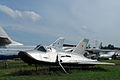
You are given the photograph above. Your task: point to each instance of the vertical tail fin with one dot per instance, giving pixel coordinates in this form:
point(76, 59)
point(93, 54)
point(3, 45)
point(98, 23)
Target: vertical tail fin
point(58, 43)
point(6, 40)
point(100, 46)
point(96, 43)
point(80, 48)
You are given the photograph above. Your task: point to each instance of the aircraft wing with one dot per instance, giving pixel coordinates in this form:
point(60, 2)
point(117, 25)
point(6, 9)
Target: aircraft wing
point(100, 50)
point(95, 62)
point(6, 40)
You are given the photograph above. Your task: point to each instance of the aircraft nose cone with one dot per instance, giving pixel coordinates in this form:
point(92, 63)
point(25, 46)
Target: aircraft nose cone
point(22, 54)
point(25, 57)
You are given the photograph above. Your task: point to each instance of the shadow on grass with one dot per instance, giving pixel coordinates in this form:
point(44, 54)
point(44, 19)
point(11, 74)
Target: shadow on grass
point(56, 71)
point(38, 72)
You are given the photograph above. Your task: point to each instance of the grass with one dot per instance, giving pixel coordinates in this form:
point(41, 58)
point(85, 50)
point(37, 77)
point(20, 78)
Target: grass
point(18, 70)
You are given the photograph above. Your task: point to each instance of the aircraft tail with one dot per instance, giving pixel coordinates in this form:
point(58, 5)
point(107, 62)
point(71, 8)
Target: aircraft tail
point(100, 46)
point(80, 48)
point(6, 40)
point(58, 43)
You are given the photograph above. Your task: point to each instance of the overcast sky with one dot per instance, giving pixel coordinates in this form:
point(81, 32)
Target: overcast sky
point(43, 21)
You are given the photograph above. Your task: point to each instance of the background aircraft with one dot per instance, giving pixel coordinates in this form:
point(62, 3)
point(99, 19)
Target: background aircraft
point(96, 52)
point(9, 48)
point(5, 40)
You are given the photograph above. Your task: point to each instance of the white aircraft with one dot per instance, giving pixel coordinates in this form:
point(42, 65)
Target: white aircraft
point(49, 55)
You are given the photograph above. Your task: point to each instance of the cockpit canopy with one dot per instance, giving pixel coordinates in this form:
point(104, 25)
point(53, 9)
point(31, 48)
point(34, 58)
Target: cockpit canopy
point(40, 48)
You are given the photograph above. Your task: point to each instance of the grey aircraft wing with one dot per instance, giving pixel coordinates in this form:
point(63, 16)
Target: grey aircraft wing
point(95, 62)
